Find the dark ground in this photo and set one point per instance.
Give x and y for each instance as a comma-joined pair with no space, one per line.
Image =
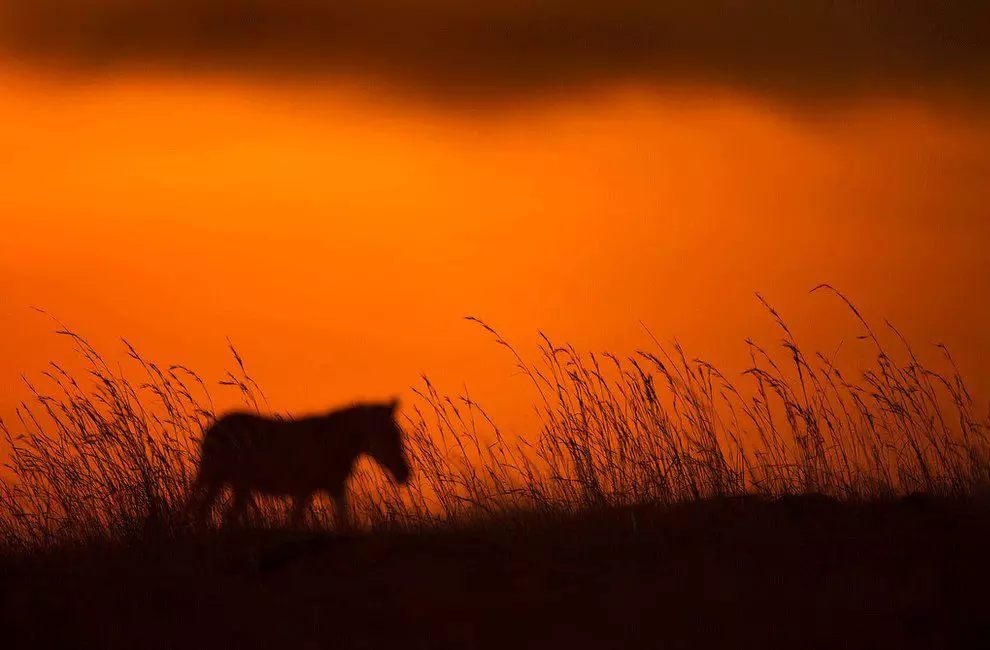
802,572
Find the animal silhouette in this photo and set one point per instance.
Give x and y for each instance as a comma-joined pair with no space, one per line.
294,457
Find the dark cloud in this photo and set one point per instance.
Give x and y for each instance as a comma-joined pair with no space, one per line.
817,49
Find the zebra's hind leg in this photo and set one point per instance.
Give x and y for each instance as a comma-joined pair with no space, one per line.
201,498
300,505
236,515
341,512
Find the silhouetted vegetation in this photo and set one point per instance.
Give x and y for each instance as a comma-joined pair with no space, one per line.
657,488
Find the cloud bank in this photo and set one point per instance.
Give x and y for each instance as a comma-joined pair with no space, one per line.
814,49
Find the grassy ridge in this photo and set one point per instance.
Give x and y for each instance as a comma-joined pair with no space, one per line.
111,457
795,572
660,505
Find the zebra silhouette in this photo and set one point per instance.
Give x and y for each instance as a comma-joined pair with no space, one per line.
294,457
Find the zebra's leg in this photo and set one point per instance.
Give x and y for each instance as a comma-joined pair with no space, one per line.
193,501
242,498
300,504
201,499
341,511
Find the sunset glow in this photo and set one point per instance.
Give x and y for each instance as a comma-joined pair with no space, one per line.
494,324
338,237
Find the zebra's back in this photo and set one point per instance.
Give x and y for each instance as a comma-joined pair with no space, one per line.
276,456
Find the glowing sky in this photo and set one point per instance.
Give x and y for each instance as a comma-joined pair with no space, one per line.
335,185
337,236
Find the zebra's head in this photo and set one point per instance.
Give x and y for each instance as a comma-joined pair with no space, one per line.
385,443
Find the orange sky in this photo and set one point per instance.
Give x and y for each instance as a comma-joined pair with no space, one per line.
339,237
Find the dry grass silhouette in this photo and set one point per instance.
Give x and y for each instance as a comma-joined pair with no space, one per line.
114,458
661,503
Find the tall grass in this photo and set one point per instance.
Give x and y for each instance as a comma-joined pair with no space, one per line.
112,457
